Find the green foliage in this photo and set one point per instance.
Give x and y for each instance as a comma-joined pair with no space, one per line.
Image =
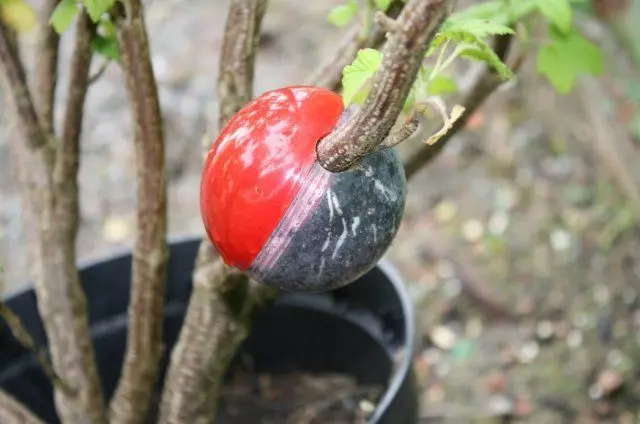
106,46
63,15
382,4
356,75
104,42
343,14
472,46
97,8
442,84
561,60
566,57
558,12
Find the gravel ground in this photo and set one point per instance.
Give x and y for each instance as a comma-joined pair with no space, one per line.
518,209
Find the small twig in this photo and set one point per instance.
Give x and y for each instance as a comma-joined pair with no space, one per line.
23,336
46,65
486,83
131,401
14,412
101,70
220,307
329,75
402,56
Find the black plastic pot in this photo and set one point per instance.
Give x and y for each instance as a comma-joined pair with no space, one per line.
357,330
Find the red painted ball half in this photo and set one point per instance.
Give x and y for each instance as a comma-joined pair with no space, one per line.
257,165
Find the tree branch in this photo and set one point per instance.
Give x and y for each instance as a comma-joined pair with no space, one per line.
217,321
46,65
241,34
68,154
23,336
14,412
131,401
486,83
218,315
61,300
402,56
329,75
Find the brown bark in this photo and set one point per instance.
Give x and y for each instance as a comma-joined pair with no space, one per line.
220,307
407,43
14,412
61,300
23,337
329,75
131,401
486,83
217,321
46,65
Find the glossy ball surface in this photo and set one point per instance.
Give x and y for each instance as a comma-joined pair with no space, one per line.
271,210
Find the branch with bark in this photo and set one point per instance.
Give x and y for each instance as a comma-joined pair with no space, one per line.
14,412
22,335
223,299
132,399
486,82
408,40
51,217
46,65
329,75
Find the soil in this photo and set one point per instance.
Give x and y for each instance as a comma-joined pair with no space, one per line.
520,249
296,398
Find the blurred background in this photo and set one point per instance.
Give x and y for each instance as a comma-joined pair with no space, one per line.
520,243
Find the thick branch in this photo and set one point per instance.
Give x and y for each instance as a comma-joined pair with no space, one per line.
132,398
242,31
403,53
329,75
220,306
14,412
46,65
219,311
486,83
61,301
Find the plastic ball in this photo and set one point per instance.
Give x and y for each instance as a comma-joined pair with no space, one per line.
272,210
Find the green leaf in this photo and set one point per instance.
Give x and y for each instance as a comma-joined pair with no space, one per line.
63,15
356,75
343,14
497,11
97,8
564,59
478,27
480,50
558,12
107,47
382,4
107,29
441,84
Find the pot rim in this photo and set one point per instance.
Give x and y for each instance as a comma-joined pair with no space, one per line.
404,368
400,370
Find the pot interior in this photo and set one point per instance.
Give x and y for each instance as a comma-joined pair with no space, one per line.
353,331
